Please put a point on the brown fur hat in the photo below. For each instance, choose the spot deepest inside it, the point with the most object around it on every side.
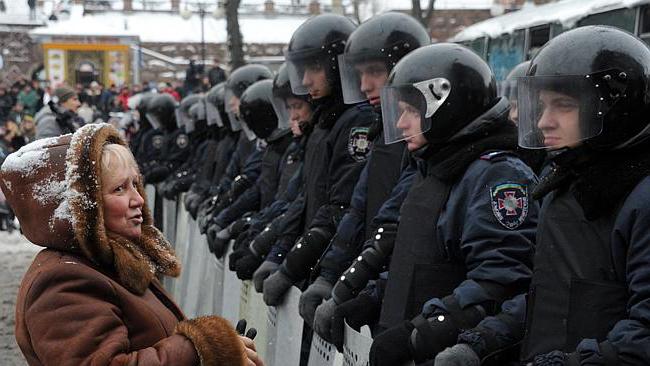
(54, 187)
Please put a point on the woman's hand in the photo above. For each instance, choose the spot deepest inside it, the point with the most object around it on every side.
(251, 353)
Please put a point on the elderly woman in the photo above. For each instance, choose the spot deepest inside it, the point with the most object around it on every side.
(92, 296)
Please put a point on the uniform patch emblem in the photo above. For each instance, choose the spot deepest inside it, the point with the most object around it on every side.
(182, 141)
(157, 142)
(510, 204)
(358, 144)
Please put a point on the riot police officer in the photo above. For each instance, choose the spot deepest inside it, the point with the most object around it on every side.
(464, 242)
(509, 87)
(585, 99)
(240, 177)
(340, 146)
(370, 53)
(161, 115)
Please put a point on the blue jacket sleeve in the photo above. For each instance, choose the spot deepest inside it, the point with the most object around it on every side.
(246, 202)
(291, 229)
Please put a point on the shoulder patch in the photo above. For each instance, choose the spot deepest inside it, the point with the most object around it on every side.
(182, 141)
(510, 204)
(157, 142)
(358, 143)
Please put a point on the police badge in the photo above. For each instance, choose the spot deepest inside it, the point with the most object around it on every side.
(510, 204)
(182, 141)
(358, 144)
(157, 142)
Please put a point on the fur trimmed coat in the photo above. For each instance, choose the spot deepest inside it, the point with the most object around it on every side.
(92, 297)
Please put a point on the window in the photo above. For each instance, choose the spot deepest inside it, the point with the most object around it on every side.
(477, 45)
(537, 37)
(621, 18)
(506, 52)
(644, 24)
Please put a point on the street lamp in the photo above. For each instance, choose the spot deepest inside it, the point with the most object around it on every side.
(203, 11)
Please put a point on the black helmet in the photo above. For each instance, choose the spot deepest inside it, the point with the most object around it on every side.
(161, 112)
(445, 86)
(603, 74)
(143, 103)
(183, 113)
(319, 40)
(385, 38)
(256, 109)
(237, 83)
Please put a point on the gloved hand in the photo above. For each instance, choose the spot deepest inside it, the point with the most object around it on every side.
(211, 234)
(239, 226)
(205, 213)
(458, 355)
(218, 240)
(246, 266)
(262, 273)
(392, 346)
(359, 311)
(193, 206)
(189, 196)
(235, 256)
(313, 296)
(323, 317)
(275, 287)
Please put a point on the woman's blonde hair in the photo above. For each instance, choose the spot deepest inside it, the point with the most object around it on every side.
(115, 156)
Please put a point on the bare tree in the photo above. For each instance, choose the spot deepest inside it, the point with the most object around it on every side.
(417, 13)
(235, 39)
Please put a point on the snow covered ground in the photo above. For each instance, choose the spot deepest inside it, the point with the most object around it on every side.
(16, 254)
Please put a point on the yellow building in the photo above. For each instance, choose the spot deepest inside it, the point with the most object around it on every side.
(83, 58)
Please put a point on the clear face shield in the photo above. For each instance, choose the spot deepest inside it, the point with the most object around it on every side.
(407, 109)
(281, 111)
(232, 109)
(212, 115)
(358, 78)
(183, 119)
(296, 70)
(155, 123)
(557, 112)
(250, 135)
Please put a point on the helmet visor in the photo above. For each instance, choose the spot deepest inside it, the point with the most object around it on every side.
(561, 111)
(231, 110)
(212, 115)
(407, 109)
(250, 135)
(281, 111)
(155, 123)
(350, 81)
(296, 70)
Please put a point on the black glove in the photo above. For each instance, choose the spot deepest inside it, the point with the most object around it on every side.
(241, 329)
(189, 196)
(313, 296)
(360, 311)
(392, 346)
(247, 265)
(239, 226)
(218, 240)
(239, 185)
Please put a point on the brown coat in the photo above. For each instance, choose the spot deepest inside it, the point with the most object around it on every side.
(91, 298)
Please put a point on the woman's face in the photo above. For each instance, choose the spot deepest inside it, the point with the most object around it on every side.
(122, 202)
